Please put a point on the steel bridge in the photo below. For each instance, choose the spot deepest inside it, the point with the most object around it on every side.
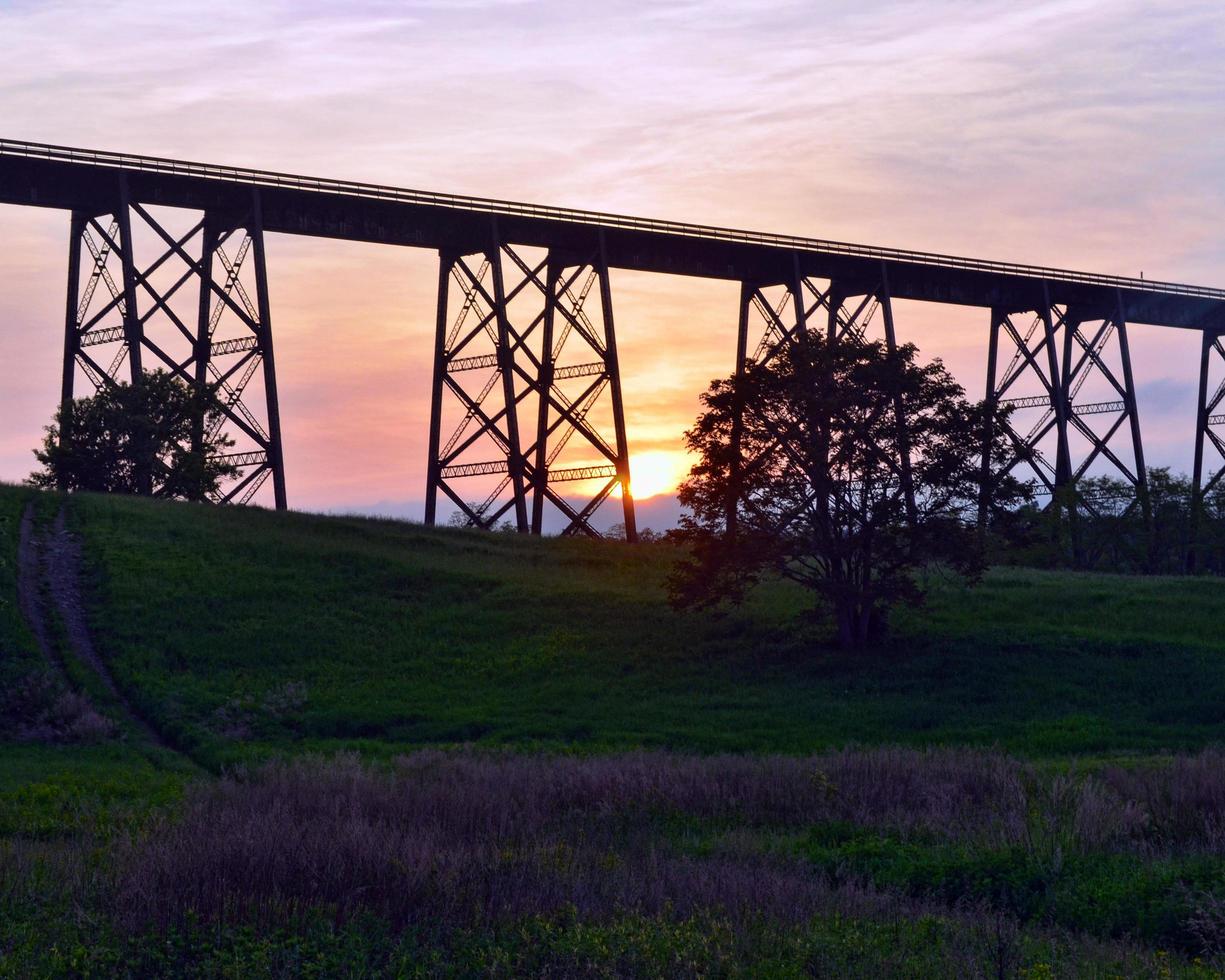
(166, 269)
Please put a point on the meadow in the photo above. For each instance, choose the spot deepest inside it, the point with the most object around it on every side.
(383, 749)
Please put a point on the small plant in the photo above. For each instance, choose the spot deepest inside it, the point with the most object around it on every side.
(996, 937)
(39, 708)
(241, 718)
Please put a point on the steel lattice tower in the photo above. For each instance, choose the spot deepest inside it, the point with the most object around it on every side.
(526, 384)
(197, 308)
(1069, 382)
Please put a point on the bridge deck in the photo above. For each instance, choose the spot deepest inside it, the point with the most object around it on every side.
(67, 178)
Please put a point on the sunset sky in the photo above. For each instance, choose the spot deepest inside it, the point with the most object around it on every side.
(1074, 133)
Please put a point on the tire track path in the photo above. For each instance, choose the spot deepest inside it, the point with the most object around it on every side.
(49, 568)
(29, 581)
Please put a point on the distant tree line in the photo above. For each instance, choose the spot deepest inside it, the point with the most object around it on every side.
(1103, 524)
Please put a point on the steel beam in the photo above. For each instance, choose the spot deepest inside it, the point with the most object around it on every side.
(133, 325)
(433, 474)
(1208, 468)
(203, 349)
(143, 320)
(1131, 406)
(1060, 351)
(781, 313)
(992, 399)
(748, 293)
(899, 408)
(72, 341)
(506, 370)
(508, 329)
(540, 480)
(613, 367)
(1059, 385)
(275, 458)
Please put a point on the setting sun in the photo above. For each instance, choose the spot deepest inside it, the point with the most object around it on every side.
(656, 472)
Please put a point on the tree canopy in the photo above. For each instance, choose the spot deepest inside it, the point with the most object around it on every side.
(844, 467)
(159, 437)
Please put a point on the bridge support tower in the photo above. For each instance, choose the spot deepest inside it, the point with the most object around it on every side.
(781, 311)
(198, 309)
(1068, 379)
(526, 403)
(1208, 469)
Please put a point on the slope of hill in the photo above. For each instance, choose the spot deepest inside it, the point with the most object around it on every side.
(543, 838)
(235, 632)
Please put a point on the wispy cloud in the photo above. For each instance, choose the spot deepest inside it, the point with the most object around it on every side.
(1085, 133)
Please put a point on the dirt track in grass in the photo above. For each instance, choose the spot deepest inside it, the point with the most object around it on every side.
(49, 574)
(29, 578)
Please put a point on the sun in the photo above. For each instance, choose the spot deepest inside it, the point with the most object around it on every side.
(656, 472)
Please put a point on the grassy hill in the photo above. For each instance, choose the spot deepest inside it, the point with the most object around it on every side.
(241, 636)
(241, 631)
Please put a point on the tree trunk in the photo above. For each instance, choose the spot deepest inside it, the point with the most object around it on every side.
(845, 614)
(859, 624)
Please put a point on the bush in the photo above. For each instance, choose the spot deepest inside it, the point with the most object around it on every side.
(38, 707)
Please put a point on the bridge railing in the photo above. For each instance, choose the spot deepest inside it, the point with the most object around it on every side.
(493, 206)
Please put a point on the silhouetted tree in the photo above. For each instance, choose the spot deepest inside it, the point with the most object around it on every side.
(809, 485)
(158, 437)
(646, 535)
(1111, 530)
(459, 518)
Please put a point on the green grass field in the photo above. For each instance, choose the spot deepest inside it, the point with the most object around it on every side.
(243, 636)
(403, 636)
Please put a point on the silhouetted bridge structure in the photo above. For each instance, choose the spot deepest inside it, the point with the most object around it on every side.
(166, 268)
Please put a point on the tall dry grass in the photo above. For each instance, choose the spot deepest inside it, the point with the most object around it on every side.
(461, 839)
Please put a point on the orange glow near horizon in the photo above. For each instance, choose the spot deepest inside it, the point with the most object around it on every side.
(656, 472)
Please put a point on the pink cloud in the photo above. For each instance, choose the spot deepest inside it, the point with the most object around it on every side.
(1082, 133)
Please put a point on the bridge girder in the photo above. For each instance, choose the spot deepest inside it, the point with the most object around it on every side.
(1208, 469)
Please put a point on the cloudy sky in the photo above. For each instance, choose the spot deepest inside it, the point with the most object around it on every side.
(1076, 133)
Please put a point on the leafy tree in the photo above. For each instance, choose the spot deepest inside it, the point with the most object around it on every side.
(459, 518)
(646, 535)
(809, 484)
(159, 437)
(1103, 523)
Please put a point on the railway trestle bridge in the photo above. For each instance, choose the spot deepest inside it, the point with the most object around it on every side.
(166, 269)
